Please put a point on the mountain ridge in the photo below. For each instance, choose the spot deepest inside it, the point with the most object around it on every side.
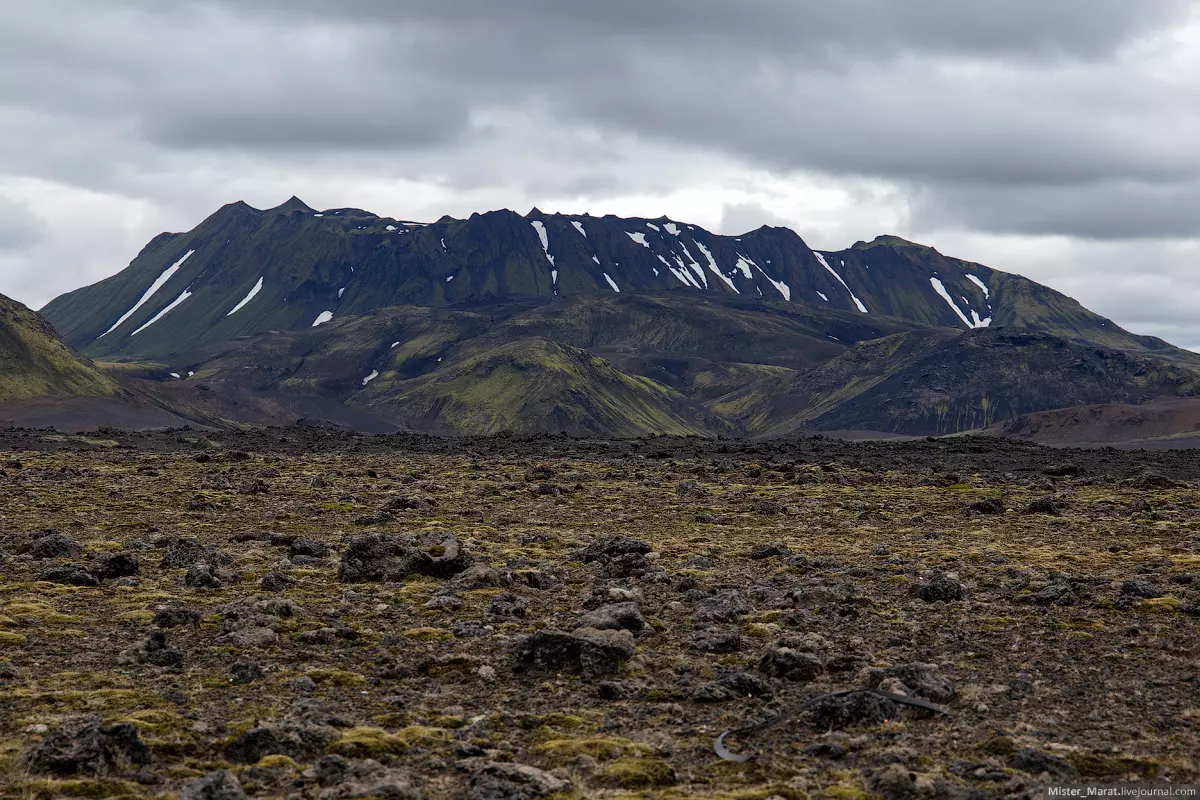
(593, 326)
(252, 270)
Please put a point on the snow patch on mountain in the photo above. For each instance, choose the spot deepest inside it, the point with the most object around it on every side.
(541, 232)
(671, 228)
(322, 318)
(174, 304)
(612, 283)
(825, 264)
(823, 297)
(974, 322)
(640, 238)
(245, 300)
(579, 227)
(744, 265)
(652, 227)
(986, 294)
(374, 374)
(154, 287)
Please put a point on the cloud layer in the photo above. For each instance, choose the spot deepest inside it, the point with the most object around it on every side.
(1060, 140)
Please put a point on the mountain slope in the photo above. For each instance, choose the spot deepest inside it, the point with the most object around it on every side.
(244, 271)
(939, 381)
(35, 363)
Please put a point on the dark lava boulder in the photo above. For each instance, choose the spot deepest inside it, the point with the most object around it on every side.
(586, 651)
(85, 746)
(376, 557)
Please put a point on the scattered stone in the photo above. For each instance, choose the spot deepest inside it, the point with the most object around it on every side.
(923, 679)
(837, 713)
(506, 781)
(893, 782)
(611, 547)
(716, 640)
(691, 490)
(300, 741)
(990, 505)
(769, 550)
(377, 558)
(219, 785)
(1036, 762)
(733, 686)
(202, 576)
(792, 665)
(943, 587)
(506, 605)
(309, 547)
(68, 575)
(1140, 587)
(587, 651)
(9, 673)
(340, 778)
(615, 616)
(724, 607)
(175, 617)
(480, 576)
(246, 672)
(184, 551)
(1048, 504)
(276, 582)
(54, 545)
(85, 746)
(118, 565)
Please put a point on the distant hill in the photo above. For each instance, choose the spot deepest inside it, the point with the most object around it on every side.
(35, 363)
(600, 326)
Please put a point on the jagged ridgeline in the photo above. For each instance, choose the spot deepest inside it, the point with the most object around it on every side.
(245, 271)
(595, 326)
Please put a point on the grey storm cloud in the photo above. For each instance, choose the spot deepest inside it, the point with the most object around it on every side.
(1074, 119)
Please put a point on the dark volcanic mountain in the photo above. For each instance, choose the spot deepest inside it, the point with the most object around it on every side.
(245, 271)
(595, 326)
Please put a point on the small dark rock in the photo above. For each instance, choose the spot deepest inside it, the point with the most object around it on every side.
(1045, 505)
(716, 640)
(505, 781)
(1140, 587)
(219, 785)
(861, 708)
(276, 582)
(55, 545)
(118, 565)
(176, 617)
(940, 587)
(246, 672)
(68, 575)
(1036, 762)
(202, 576)
(309, 547)
(615, 616)
(769, 550)
(587, 651)
(990, 505)
(724, 607)
(792, 665)
(611, 547)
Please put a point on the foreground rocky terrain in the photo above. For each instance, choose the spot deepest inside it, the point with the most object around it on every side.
(308, 613)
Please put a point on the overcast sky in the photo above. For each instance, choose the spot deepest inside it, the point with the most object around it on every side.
(1059, 139)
